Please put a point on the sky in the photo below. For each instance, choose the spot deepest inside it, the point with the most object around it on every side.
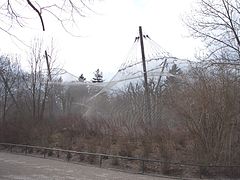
(107, 34)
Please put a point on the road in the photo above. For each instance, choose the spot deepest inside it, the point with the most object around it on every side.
(20, 167)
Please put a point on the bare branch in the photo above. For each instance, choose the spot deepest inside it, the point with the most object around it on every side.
(217, 24)
(38, 12)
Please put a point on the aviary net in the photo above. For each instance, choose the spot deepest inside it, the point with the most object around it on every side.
(123, 105)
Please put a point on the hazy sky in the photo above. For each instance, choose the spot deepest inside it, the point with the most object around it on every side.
(108, 34)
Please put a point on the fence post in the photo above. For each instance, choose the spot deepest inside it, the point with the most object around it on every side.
(143, 166)
(100, 160)
(58, 154)
(69, 156)
(200, 172)
(44, 153)
(181, 175)
(26, 150)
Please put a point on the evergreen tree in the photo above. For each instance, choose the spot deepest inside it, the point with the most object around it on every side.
(81, 78)
(98, 76)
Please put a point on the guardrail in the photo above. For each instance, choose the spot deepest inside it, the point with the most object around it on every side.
(143, 166)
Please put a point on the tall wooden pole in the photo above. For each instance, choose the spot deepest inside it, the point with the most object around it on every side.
(147, 106)
(143, 59)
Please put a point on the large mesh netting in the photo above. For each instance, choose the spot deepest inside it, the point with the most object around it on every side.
(123, 105)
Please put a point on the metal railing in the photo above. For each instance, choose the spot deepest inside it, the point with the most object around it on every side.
(144, 166)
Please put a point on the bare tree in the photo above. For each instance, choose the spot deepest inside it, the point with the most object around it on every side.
(15, 13)
(217, 24)
(19, 13)
(9, 72)
(208, 107)
(37, 82)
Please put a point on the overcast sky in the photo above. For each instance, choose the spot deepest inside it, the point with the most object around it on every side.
(108, 34)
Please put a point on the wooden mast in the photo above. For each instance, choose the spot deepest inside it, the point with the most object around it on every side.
(147, 105)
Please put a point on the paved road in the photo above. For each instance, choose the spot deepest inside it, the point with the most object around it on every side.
(19, 167)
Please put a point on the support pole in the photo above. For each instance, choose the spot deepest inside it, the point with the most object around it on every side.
(143, 59)
(147, 106)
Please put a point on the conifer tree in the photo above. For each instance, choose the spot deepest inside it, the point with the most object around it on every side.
(98, 76)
